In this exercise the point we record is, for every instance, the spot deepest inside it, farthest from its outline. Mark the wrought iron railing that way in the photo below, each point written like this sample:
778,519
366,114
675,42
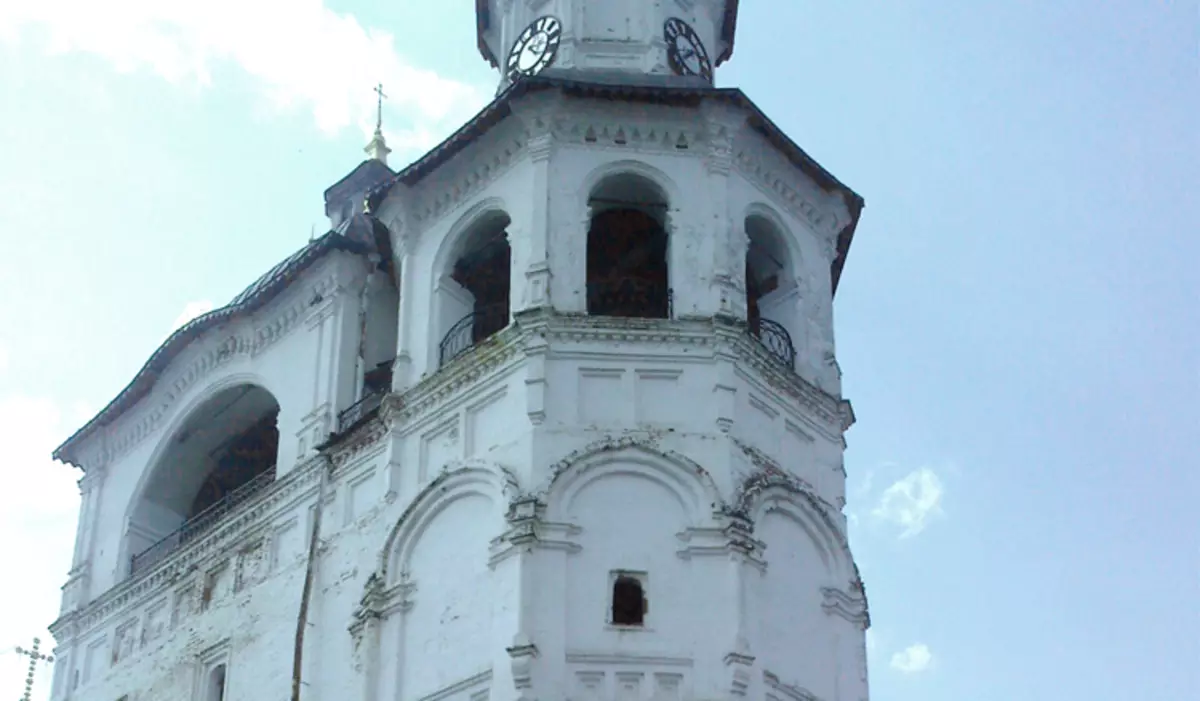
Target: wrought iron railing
776,339
200,523
629,297
356,411
472,329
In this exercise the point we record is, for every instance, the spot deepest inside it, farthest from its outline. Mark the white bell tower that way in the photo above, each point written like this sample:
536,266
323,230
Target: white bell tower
633,40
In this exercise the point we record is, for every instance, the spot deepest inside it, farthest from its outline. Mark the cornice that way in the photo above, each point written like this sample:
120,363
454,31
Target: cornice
792,692
851,606
762,165
823,405
448,383
468,174
357,443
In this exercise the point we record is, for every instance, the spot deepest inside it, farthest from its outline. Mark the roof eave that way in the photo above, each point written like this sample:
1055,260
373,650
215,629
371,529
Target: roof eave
146,377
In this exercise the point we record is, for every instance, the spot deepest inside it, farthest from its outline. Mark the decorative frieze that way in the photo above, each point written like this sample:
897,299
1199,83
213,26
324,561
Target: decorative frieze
252,515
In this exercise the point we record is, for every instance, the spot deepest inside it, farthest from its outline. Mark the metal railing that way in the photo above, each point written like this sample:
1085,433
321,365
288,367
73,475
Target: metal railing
629,297
776,339
199,523
470,330
358,410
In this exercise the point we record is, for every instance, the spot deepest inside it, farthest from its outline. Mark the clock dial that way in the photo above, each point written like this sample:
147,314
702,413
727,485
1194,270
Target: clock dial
535,48
685,51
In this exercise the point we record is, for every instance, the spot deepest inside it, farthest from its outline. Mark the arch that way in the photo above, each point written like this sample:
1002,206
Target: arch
473,479
772,283
471,292
771,490
628,274
686,480
225,440
779,227
666,186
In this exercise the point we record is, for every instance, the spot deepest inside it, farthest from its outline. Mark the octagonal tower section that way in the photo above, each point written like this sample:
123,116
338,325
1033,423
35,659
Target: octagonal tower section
616,328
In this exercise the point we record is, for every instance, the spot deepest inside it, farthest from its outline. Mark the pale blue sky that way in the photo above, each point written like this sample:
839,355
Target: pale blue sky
1017,322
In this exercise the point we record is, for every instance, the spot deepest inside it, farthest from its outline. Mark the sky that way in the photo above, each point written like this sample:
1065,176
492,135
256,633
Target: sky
1017,321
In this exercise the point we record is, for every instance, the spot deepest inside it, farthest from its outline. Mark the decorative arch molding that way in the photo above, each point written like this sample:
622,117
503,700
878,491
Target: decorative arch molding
771,490
759,208
237,338
463,479
628,166
690,483
181,415
450,244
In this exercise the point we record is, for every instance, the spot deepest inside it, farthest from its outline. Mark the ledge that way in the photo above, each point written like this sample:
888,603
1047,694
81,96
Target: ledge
242,520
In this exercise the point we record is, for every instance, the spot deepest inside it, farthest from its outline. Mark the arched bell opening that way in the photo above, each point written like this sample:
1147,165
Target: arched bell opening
223,453
473,295
772,295
627,272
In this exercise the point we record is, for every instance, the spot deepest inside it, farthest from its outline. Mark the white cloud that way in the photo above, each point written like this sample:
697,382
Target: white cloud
911,502
37,530
191,310
301,52
913,659
4,361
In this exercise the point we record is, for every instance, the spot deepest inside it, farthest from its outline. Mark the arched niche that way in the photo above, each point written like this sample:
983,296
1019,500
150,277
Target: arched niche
223,450
627,248
472,289
772,289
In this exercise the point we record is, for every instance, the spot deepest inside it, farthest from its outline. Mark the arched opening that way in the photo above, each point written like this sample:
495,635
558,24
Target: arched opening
628,601
771,290
473,295
216,684
627,274
224,452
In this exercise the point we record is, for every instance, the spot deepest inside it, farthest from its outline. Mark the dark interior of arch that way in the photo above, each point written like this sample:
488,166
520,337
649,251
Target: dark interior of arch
765,265
247,455
222,445
627,273
483,269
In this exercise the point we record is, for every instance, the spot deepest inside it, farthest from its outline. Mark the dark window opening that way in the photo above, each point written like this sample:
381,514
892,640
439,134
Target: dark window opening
627,249
216,684
482,272
485,273
770,292
628,602
246,456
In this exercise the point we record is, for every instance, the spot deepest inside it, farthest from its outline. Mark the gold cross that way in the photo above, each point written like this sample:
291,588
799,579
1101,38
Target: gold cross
34,657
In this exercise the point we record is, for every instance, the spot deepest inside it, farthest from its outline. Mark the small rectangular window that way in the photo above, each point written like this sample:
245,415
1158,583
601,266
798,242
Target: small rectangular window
629,605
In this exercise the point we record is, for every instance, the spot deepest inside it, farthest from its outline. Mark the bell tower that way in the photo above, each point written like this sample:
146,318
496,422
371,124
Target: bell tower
616,301
676,41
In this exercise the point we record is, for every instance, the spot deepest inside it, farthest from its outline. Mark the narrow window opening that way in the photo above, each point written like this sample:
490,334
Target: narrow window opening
770,292
475,297
628,602
216,684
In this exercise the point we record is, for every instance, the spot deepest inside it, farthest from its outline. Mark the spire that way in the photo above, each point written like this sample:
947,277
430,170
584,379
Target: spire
378,149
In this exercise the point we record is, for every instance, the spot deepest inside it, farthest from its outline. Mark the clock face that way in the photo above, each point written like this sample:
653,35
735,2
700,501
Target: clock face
685,51
535,48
